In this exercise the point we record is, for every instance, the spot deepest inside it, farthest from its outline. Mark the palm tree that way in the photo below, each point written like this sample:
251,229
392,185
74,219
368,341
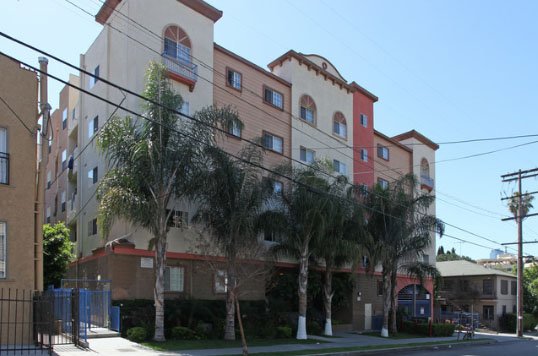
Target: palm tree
153,164
298,216
526,204
340,243
399,229
230,207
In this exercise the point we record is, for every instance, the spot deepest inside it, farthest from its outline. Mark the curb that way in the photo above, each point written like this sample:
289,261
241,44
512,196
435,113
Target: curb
436,347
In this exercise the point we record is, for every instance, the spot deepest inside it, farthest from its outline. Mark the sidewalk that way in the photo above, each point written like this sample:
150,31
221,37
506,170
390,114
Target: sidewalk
119,346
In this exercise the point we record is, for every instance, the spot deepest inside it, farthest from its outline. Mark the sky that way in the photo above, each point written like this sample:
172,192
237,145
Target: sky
452,70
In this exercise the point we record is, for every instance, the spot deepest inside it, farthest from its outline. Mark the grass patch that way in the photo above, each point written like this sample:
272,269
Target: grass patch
400,335
362,348
171,345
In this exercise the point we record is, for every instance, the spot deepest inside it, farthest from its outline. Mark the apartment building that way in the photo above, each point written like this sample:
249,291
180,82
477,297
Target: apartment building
62,168
21,266
301,108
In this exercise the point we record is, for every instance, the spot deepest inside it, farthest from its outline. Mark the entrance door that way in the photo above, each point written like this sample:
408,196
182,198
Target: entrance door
367,316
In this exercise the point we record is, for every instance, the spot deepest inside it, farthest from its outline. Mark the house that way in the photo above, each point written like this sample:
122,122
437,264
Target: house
469,287
302,108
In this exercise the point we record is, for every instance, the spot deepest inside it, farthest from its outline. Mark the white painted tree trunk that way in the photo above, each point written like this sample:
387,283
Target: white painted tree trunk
158,291
301,328
328,328
327,300
303,285
386,305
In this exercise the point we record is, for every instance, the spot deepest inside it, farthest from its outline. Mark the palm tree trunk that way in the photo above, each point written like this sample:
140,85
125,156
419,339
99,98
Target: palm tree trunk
393,329
158,292
327,300
229,330
241,330
386,303
303,285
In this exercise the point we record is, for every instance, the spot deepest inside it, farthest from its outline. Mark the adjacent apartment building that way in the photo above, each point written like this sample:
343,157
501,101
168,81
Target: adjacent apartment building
301,109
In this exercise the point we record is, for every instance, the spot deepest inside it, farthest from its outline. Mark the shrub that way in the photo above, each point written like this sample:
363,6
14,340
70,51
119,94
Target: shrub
440,329
507,322
137,334
313,327
183,333
283,332
443,329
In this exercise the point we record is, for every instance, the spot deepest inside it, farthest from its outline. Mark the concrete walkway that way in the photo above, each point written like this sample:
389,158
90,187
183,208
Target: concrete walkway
119,346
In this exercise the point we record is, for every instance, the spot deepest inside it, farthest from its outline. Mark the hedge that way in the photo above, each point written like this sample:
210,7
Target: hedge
438,329
507,322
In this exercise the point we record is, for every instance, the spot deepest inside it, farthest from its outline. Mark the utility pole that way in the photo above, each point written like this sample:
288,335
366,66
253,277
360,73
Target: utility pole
519,176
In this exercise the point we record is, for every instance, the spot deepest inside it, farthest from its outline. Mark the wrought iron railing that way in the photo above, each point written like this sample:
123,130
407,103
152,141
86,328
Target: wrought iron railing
180,67
427,181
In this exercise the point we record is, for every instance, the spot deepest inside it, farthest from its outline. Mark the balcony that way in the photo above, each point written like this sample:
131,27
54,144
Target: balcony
426,183
4,168
72,205
181,70
72,127
73,166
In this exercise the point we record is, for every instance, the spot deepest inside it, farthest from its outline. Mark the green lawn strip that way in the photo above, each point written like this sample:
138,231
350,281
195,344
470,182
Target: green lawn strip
362,348
171,345
400,335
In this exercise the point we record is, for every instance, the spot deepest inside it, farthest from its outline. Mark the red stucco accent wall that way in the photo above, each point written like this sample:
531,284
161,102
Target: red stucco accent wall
363,137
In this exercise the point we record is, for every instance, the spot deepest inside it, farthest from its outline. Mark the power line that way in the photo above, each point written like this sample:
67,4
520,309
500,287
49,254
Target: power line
16,116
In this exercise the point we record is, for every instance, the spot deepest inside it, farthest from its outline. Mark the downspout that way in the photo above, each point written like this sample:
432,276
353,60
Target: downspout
39,205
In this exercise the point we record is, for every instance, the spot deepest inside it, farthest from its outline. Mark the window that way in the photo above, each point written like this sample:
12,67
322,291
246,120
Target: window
185,108
64,119
339,167
93,126
63,201
3,249
273,143
94,80
234,128
92,227
339,125
177,44
487,312
426,258
49,183
514,309
174,279
364,154
4,157
487,286
178,219
221,281
504,287
308,109
64,159
424,168
513,288
273,97
48,215
73,114
504,309
379,287
383,152
271,236
277,187
383,183
307,155
49,144
364,120
233,79
93,175
365,262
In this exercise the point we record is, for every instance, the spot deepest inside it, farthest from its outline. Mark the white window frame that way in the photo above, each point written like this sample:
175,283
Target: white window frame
93,175
236,79
278,147
277,98
93,126
383,152
307,155
364,155
220,285
4,163
3,249
383,183
94,80
185,108
277,186
364,120
92,231
340,129
63,201
235,129
64,159
49,179
339,167
307,114
174,279
64,118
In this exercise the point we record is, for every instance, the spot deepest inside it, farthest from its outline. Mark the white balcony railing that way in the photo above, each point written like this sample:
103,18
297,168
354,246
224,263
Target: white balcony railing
182,68
427,181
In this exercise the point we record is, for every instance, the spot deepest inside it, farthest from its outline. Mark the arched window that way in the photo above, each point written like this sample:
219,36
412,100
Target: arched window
177,44
339,125
424,168
308,109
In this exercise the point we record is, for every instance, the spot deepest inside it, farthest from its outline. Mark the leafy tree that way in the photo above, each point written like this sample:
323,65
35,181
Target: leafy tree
153,165
341,239
57,253
399,231
231,204
451,256
440,251
530,289
299,217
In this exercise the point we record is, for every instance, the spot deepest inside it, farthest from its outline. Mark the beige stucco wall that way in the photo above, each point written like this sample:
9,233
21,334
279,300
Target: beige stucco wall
399,162
329,98
124,62
18,88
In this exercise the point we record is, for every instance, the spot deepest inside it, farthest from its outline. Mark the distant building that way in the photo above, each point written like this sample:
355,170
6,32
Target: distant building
495,253
469,287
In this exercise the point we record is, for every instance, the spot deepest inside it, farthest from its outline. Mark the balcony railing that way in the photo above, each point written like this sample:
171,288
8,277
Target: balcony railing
426,181
181,68
4,168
